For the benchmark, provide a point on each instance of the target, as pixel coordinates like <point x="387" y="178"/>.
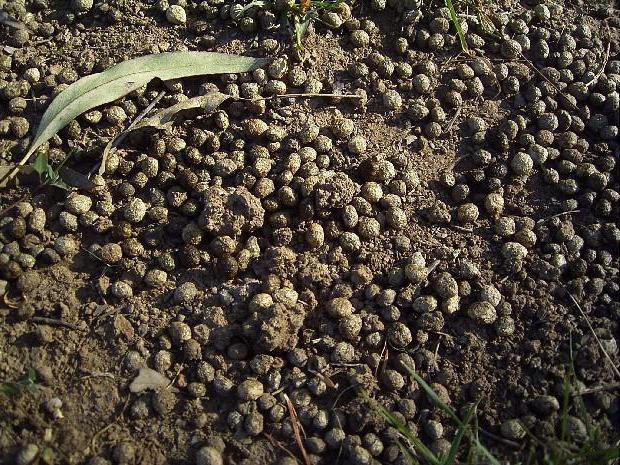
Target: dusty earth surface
<point x="459" y="218"/>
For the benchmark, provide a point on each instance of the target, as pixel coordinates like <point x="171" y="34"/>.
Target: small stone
<point x="121" y="290"/>
<point x="315" y="236"/>
<point x="185" y="293"/>
<point x="175" y="14"/>
<point x="522" y="164"/>
<point x="111" y="253"/>
<point x="155" y="278"/>
<point x="65" y="246"/>
<point x="81" y="5"/>
<point x="494" y="203"/>
<point x="482" y="312"/>
<point x="505" y="326"/>
<point x="250" y="389"/>
<point x="135" y="210"/>
<point x="489" y="293"/>
<point x="545" y="405"/>
<point x="511" y="49"/>
<point x="179" y="332"/>
<point x="399" y="335"/>
<point x="357" y="145"/>
<point x="513" y="429"/>
<point x="445" y="285"/>
<point x="254" y="423"/>
<point x="467" y="213"/>
<point x="392" y="100"/>
<point x="396" y="218"/>
<point x="115" y="115"/>
<point x="36" y="220"/>
<point x="209" y="456"/>
<point x="339" y="307"/>
<point x="360" y="38"/>
<point x="28" y="281"/>
<point x="513" y="251"/>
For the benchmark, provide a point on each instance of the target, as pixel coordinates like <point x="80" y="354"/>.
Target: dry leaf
<point x="101" y="88"/>
<point x="203" y="104"/>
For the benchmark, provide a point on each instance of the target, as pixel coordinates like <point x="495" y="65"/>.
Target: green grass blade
<point x="434" y="397"/>
<point x="565" y="402"/>
<point x="301" y="29"/>
<point x="456" y="442"/>
<point x="407" y="453"/>
<point x="457" y="25"/>
<point x="407" y="434"/>
<point x="9" y="389"/>
<point x="327" y="5"/>
<point x="40" y="164"/>
<point x="490" y="457"/>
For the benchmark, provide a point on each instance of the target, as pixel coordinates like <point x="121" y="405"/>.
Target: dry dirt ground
<point x="461" y="218"/>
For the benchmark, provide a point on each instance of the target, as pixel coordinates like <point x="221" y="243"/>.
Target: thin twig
<point x="297" y="430"/>
<point x="606" y="387"/>
<point x="382" y="360"/>
<point x="277" y="444"/>
<point x="600" y="344"/>
<point x="56" y="322"/>
<point x="115" y="142"/>
<point x="93" y="440"/>
<point x="550" y="82"/>
<point x="598" y="75"/>
<point x="456" y="115"/>
<point x="436" y="355"/>
<point x="497" y="438"/>
<point x="353" y="386"/>
<point x="328" y="382"/>
<point x="461" y="228"/>
<point x="97" y="374"/>
<point x="176" y="375"/>
<point x="570" y="212"/>
<point x="271" y="97"/>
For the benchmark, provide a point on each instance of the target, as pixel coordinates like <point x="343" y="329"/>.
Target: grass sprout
<point x="467" y="448"/>
<point x="28" y="382"/>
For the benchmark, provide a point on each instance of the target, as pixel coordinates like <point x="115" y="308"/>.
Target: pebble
<point x="513" y="429"/>
<point x="489" y="293"/>
<point x="339" y="307"/>
<point x="513" y="251"/>
<point x="399" y="335"/>
<point x="121" y="290"/>
<point x="155" y="278"/>
<point x="175" y="14"/>
<point x="111" y="253"/>
<point x="134" y="211"/>
<point x="81" y="5"/>
<point x="209" y="456"/>
<point x="185" y="293"/>
<point x="482" y="312"/>
<point x="65" y="246"/>
<point x="250" y="389"/>
<point x="78" y="204"/>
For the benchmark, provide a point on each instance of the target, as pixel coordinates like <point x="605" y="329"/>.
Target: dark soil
<point x="250" y="291"/>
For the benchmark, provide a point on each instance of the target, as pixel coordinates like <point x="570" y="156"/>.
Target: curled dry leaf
<point x="112" y="84"/>
<point x="163" y="119"/>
